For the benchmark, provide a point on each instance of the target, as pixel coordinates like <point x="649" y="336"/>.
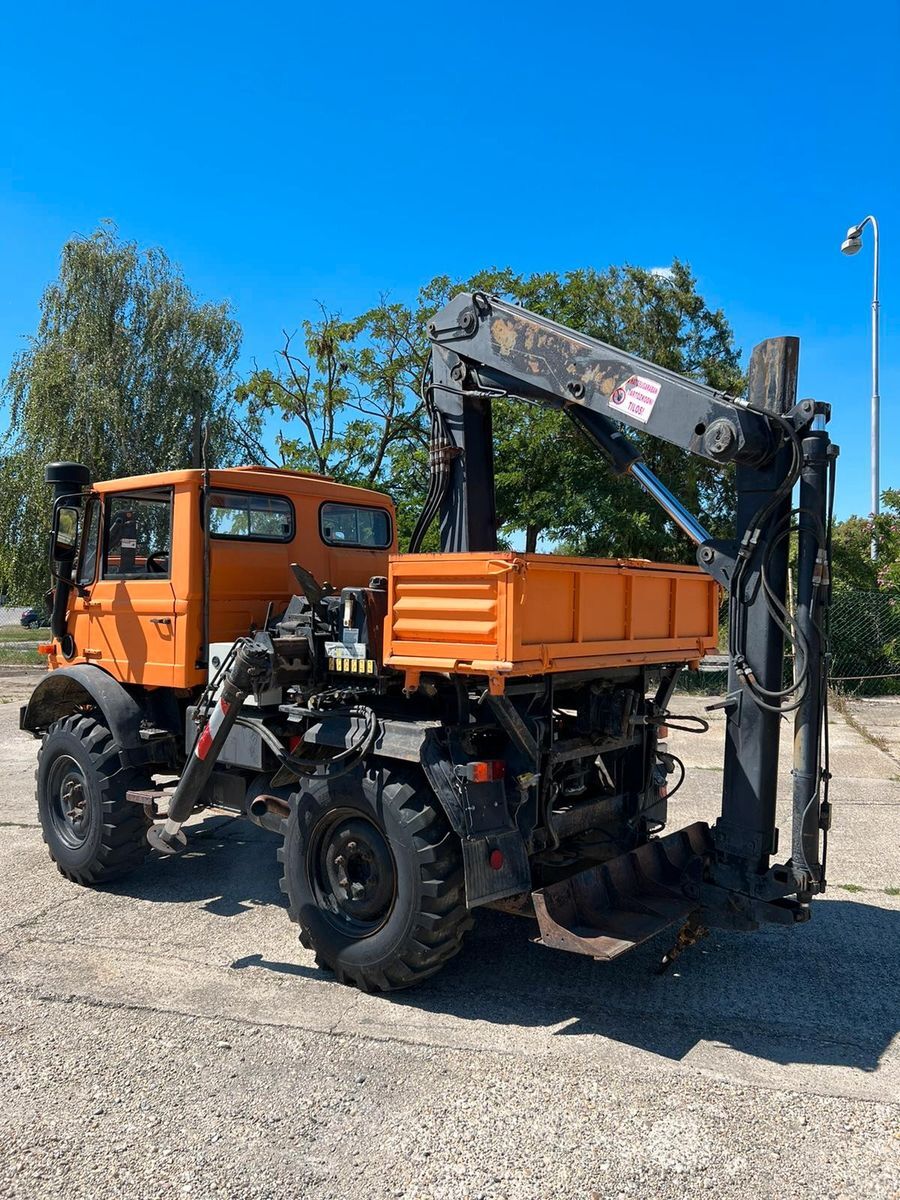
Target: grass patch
<point x="14" y="657"/>
<point x="850" y="887"/>
<point x="892" y="891"/>
<point x="18" y="633"/>
<point x="703" y="683"/>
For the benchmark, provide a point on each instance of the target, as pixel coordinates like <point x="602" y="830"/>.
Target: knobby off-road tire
<point x="373" y="876"/>
<point x="93" y="833"/>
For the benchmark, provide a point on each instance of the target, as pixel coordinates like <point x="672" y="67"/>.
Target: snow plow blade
<point x="611" y="908"/>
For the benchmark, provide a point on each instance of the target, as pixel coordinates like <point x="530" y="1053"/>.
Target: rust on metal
<point x="519" y="905"/>
<point x="146" y="795"/>
<point x="608" y="909"/>
<point x="504" y="335"/>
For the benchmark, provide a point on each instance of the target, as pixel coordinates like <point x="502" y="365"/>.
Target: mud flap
<point x="496" y="865"/>
<point x="611" y="908"/>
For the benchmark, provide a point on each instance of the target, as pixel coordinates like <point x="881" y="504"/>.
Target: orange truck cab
<point x="138" y="611"/>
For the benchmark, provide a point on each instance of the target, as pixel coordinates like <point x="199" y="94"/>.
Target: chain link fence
<point x="865" y="642"/>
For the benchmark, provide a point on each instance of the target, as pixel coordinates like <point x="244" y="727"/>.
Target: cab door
<point x="132" y="604"/>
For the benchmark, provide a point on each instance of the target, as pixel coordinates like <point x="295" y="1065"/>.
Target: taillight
<point x="483" y="772"/>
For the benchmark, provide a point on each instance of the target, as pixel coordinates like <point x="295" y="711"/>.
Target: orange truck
<point x="431" y="733"/>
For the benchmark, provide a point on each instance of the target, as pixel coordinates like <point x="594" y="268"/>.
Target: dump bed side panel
<point x="508" y="614"/>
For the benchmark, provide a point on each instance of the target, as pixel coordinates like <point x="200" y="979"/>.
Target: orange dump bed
<point x="524" y="614"/>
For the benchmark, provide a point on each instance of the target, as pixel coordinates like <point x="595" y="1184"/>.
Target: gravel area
<point x="125" y="1103"/>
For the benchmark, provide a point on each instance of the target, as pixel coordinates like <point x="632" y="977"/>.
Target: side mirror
<point x="64" y="538"/>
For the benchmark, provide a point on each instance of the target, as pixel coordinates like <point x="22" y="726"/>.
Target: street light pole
<point x="851" y="245"/>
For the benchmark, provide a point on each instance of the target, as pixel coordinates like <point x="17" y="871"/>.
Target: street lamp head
<point x="853" y="241"/>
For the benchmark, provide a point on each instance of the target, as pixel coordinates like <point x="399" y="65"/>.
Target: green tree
<point x="125" y="368"/>
<point x="347" y="397"/>
<point x="354" y="396"/>
<point x="852" y="563"/>
<point x="864" y="625"/>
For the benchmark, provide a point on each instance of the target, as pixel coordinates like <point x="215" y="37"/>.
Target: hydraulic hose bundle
<point x="440" y="449"/>
<point x="760" y="544"/>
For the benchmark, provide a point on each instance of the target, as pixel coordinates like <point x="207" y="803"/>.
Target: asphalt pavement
<point x="169" y="1037"/>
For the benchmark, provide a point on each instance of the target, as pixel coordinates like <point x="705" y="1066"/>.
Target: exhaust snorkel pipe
<point x="68" y="480"/>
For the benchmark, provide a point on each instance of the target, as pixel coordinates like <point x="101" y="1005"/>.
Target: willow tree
<point x="125" y="368"/>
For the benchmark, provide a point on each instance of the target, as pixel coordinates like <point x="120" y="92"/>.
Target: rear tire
<point x="93" y="833"/>
<point x="373" y="876"/>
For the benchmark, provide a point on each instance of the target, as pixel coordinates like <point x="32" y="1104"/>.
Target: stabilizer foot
<point x="166" y="843"/>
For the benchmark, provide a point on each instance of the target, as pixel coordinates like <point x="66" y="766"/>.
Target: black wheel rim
<point x="69" y="802"/>
<point x="352" y="872"/>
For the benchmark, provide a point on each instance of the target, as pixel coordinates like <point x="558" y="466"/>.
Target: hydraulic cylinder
<point x="251" y="665"/>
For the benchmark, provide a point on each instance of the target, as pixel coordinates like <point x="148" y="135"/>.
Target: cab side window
<point x="138" y="535"/>
<point x="87" y="566"/>
<point x="354" y="525"/>
<point x="252" y="516"/>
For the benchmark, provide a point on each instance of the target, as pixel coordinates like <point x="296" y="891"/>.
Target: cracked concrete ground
<point x="168" y="1037"/>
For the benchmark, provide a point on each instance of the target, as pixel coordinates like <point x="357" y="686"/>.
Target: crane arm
<point x="483" y="347"/>
<point x="521" y="352"/>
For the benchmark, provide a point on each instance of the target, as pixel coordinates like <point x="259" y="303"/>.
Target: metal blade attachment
<point x="609" y="909"/>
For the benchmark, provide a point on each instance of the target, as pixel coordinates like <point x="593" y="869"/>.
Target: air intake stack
<point x="68" y="480"/>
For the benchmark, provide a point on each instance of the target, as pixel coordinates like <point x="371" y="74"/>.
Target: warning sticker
<point x="636" y="397"/>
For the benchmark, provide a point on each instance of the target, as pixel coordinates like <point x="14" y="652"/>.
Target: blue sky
<point x="290" y="153"/>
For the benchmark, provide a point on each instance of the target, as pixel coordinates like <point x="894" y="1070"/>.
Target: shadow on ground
<point x="228" y="868"/>
<point x="822" y="993"/>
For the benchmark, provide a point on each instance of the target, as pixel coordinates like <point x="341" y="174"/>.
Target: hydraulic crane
<point x="485" y="348"/>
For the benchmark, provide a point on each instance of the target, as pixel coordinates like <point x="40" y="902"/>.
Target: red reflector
<point x="662" y="732"/>
<point x="486" y="772"/>
<point x="203" y="743"/>
<point x="496" y="860"/>
<point x="45" y="647"/>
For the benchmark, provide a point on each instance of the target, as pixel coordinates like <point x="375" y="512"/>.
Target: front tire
<point x="373" y="876"/>
<point x="94" y="834"/>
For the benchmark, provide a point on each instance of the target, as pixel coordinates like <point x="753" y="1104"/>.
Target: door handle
<point x="160" y="620"/>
